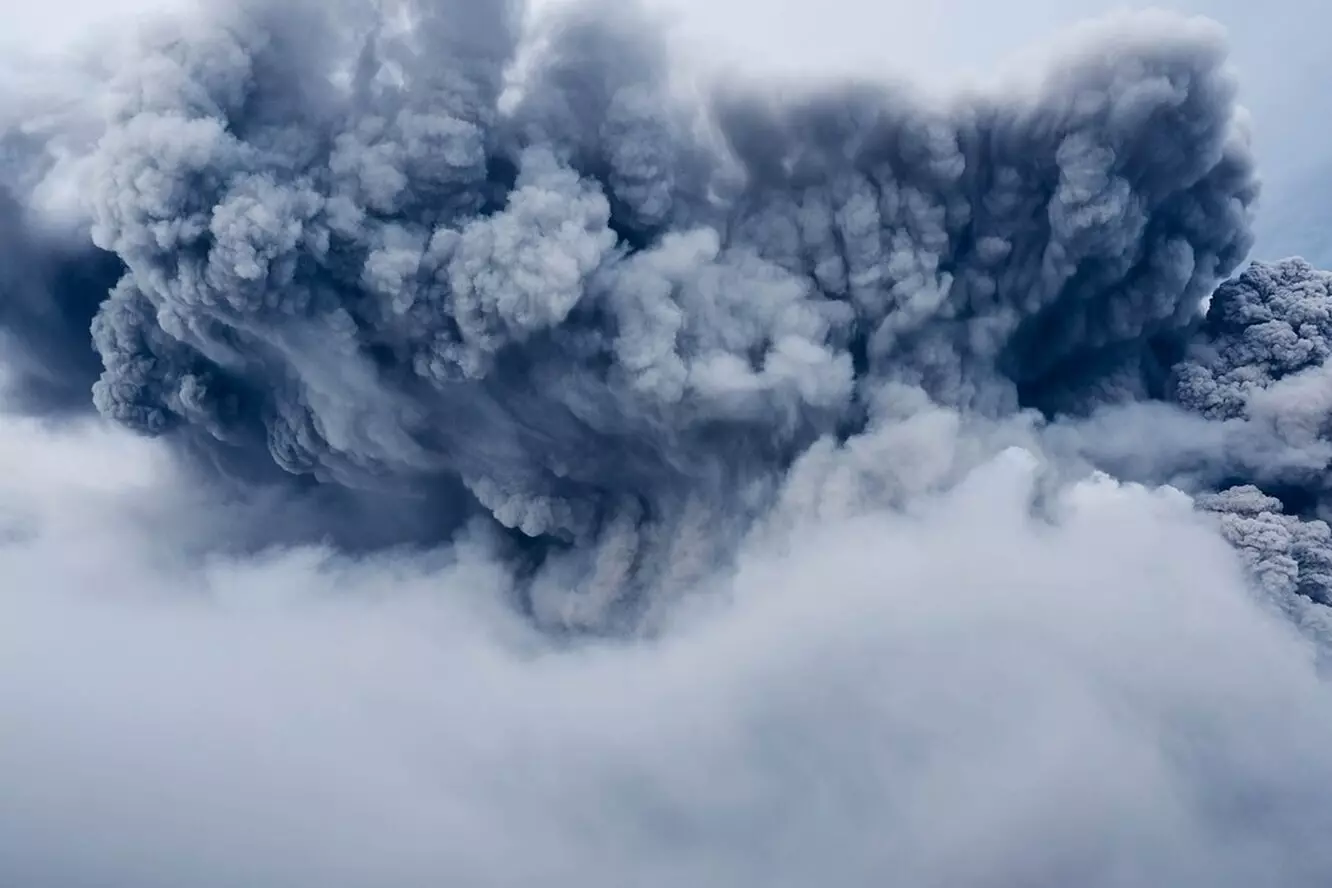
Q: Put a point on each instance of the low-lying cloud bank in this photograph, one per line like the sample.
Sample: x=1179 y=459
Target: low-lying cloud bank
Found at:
x=441 y=450
x=957 y=694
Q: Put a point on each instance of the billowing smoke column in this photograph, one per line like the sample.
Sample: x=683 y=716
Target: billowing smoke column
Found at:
x=1260 y=360
x=490 y=273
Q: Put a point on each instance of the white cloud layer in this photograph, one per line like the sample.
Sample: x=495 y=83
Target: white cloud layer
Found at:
x=957 y=694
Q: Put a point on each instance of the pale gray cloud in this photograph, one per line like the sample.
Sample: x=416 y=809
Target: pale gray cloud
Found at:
x=1094 y=699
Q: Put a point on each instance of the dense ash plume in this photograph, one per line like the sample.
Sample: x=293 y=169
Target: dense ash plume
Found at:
x=1290 y=558
x=374 y=250
x=449 y=261
x=1260 y=363
x=1272 y=322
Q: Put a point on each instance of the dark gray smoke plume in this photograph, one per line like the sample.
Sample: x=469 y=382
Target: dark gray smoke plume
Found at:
x=375 y=251
x=1259 y=361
